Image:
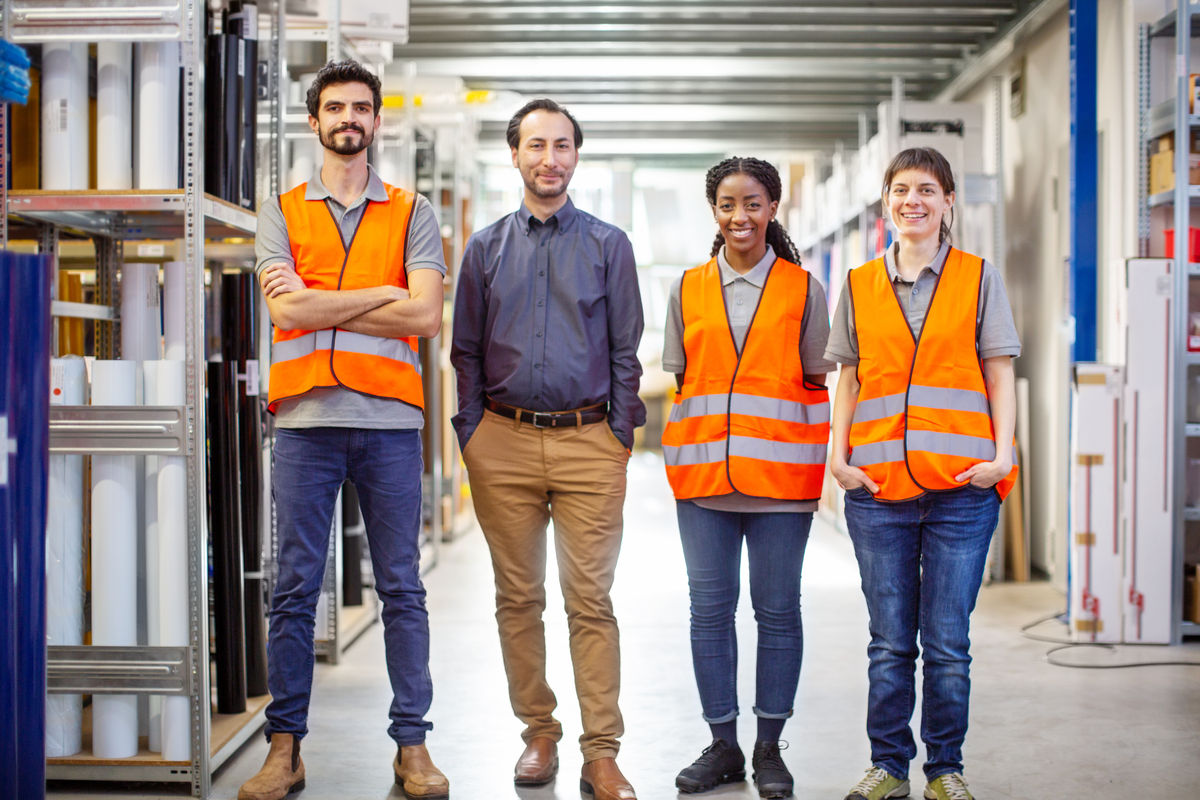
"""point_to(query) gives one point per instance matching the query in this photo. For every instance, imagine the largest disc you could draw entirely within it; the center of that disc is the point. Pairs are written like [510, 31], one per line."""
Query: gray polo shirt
[335, 406]
[997, 334]
[742, 293]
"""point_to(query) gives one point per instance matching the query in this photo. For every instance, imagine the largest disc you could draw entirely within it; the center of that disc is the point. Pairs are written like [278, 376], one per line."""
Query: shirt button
[739, 301]
[541, 272]
[539, 334]
[537, 366]
[541, 303]
[915, 290]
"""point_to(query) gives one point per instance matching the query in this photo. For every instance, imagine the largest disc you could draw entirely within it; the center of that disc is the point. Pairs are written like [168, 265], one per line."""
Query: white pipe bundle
[174, 310]
[64, 144]
[64, 560]
[114, 563]
[114, 109]
[173, 564]
[158, 115]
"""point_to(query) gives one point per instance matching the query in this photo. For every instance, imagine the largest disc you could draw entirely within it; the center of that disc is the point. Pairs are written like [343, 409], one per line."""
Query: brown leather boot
[281, 774]
[604, 781]
[417, 776]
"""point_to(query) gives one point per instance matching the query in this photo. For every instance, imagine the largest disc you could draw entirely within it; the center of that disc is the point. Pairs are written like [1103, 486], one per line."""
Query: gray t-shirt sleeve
[271, 239]
[997, 332]
[815, 335]
[674, 360]
[843, 341]
[424, 247]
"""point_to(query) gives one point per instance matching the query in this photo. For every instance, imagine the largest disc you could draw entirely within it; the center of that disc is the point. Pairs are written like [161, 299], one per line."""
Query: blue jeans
[712, 550]
[921, 563]
[309, 467]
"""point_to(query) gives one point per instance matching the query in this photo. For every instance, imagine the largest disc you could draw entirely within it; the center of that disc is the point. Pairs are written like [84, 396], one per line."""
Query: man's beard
[538, 191]
[347, 147]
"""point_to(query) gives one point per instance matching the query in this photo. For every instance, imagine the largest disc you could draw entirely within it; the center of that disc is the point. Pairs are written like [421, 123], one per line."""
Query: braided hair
[768, 176]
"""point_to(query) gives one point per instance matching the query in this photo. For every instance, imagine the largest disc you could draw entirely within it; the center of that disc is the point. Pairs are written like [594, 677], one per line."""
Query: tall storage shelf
[109, 219]
[1168, 51]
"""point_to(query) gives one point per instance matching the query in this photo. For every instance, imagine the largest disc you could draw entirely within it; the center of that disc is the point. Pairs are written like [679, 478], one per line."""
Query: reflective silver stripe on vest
[879, 408]
[702, 405]
[347, 342]
[948, 399]
[952, 444]
[877, 453]
[778, 452]
[750, 405]
[783, 410]
[689, 454]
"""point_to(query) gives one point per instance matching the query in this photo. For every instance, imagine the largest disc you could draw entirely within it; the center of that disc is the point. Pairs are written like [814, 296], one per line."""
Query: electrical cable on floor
[1066, 644]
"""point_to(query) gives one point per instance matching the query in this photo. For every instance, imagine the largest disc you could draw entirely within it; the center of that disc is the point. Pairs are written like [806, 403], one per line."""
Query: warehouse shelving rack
[110, 219]
[1173, 115]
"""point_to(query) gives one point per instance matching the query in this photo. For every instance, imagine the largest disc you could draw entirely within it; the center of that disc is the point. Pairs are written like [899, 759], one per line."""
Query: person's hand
[986, 474]
[399, 293]
[14, 73]
[280, 279]
[849, 477]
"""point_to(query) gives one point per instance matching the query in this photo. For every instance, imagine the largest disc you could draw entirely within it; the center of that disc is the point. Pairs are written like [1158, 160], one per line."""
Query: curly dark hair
[928, 160]
[513, 134]
[344, 71]
[768, 176]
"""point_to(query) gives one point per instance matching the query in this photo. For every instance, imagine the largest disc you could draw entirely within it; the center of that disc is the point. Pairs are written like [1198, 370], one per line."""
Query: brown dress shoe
[538, 764]
[281, 774]
[417, 776]
[604, 781]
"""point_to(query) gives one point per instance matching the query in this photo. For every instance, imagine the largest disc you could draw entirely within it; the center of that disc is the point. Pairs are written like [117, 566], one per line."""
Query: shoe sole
[892, 796]
[769, 793]
[400, 783]
[539, 781]
[693, 787]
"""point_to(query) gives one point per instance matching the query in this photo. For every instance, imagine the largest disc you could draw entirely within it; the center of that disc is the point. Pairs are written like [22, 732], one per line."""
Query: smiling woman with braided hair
[745, 454]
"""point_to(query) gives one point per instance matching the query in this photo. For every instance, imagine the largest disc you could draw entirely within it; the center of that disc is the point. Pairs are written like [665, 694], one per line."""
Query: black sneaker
[771, 775]
[719, 763]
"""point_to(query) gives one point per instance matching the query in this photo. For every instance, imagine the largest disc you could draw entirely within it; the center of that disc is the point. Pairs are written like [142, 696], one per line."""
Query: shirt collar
[564, 217]
[934, 266]
[376, 192]
[757, 276]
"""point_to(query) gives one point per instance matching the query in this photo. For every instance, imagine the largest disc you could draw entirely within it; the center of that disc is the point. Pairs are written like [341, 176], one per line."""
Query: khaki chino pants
[521, 477]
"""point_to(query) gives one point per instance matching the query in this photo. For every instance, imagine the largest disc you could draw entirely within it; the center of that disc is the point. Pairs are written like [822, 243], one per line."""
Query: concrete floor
[1037, 730]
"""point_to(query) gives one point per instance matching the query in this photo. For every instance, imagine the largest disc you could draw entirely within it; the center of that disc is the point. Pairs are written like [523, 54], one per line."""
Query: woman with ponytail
[923, 445]
[745, 452]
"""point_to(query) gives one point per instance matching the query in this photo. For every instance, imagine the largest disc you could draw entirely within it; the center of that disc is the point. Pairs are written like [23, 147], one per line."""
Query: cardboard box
[1162, 170]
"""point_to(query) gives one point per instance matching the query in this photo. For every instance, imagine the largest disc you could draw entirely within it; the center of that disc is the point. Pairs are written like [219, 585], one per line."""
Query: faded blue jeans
[921, 563]
[309, 467]
[712, 550]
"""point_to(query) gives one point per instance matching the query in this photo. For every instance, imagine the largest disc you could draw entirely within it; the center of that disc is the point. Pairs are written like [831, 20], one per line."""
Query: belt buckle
[547, 415]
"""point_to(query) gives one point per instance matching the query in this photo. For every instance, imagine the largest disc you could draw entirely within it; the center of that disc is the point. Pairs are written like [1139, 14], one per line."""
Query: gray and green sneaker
[950, 786]
[879, 784]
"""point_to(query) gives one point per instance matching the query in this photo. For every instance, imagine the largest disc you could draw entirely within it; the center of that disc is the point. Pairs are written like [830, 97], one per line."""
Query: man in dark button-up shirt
[547, 319]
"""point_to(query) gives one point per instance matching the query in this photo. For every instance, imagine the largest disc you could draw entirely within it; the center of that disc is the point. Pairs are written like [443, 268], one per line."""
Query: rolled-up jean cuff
[758, 712]
[730, 717]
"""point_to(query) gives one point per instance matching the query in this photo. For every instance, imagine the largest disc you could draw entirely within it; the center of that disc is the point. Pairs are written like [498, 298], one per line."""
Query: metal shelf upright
[110, 218]
[1173, 114]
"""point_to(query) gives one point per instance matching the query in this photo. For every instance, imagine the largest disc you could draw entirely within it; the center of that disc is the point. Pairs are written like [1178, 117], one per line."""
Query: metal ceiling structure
[699, 77]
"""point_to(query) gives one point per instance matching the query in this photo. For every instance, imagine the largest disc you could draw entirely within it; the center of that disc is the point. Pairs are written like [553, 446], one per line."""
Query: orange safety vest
[923, 414]
[746, 422]
[302, 360]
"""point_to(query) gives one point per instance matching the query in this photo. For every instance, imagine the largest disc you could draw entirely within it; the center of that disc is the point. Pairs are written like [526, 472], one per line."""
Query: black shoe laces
[713, 753]
[766, 755]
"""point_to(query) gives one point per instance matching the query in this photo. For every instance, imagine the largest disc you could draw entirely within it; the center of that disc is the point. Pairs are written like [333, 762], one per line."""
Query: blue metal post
[1084, 177]
[8, 650]
[30, 338]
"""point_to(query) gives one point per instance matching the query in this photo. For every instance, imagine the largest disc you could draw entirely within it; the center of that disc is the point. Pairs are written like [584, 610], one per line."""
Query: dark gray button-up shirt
[547, 317]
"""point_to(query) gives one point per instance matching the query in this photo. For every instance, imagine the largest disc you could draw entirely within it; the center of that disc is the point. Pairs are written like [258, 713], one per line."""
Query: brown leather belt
[550, 419]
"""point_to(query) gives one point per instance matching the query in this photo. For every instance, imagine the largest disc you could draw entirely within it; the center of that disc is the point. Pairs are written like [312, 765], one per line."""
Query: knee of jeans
[778, 621]
[942, 649]
[295, 603]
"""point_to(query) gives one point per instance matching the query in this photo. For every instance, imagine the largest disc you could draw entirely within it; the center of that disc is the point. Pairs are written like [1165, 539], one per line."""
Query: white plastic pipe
[173, 564]
[64, 144]
[114, 563]
[114, 110]
[174, 311]
[157, 115]
[64, 560]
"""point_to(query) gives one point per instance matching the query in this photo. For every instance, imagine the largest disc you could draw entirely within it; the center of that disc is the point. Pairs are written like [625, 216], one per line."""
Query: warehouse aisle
[1037, 731]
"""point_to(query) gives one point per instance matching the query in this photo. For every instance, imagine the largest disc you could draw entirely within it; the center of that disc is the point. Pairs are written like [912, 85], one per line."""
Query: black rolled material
[224, 504]
[352, 547]
[214, 108]
[239, 345]
[248, 140]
